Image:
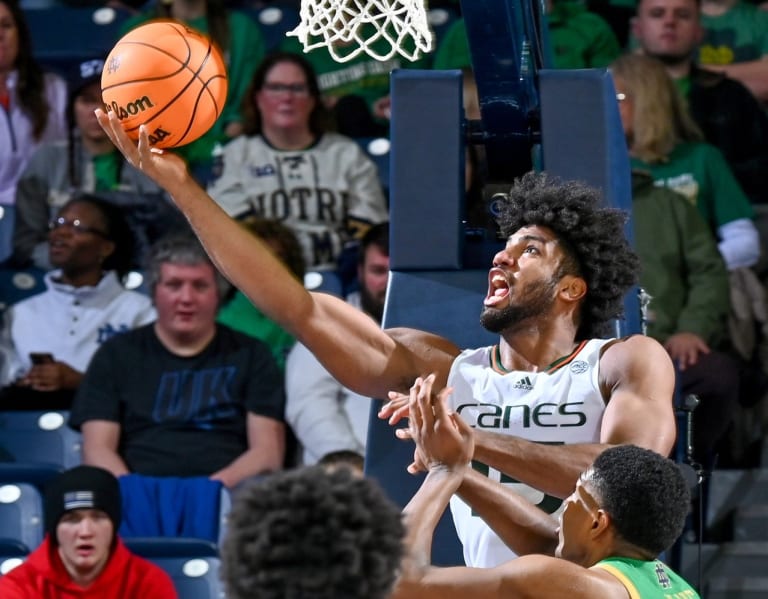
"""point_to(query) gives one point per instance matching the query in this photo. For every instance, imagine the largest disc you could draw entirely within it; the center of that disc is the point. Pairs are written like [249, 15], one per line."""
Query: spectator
[326, 416]
[684, 274]
[241, 315]
[663, 139]
[287, 167]
[51, 337]
[242, 46]
[727, 113]
[183, 396]
[579, 39]
[32, 103]
[85, 162]
[82, 557]
[736, 43]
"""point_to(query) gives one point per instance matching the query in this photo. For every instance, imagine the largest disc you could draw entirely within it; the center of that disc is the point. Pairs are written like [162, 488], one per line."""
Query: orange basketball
[166, 76]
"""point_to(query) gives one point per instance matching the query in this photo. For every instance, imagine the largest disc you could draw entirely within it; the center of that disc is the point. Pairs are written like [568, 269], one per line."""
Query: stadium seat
[275, 21]
[19, 284]
[40, 436]
[377, 149]
[37, 474]
[21, 514]
[12, 553]
[97, 30]
[193, 577]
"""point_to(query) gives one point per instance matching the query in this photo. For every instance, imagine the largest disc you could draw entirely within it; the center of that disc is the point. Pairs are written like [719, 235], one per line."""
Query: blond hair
[661, 120]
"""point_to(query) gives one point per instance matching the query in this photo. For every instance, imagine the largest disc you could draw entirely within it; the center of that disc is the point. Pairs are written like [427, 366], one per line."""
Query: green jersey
[700, 173]
[738, 35]
[647, 580]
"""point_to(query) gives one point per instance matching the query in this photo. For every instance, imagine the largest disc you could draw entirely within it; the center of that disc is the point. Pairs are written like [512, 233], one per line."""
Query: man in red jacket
[82, 557]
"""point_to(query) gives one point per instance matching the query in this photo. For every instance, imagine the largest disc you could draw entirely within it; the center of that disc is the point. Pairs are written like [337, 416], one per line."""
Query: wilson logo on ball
[168, 77]
[132, 108]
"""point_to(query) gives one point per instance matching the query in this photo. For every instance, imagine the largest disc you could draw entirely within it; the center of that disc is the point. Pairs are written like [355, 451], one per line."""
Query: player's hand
[395, 409]
[684, 349]
[165, 168]
[443, 439]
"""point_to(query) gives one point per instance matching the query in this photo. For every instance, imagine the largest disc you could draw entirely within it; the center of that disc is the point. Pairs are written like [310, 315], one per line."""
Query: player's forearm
[553, 469]
[241, 256]
[422, 514]
[523, 527]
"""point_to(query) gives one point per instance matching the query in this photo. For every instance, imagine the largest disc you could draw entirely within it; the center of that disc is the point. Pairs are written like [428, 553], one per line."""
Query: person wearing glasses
[85, 161]
[48, 339]
[287, 165]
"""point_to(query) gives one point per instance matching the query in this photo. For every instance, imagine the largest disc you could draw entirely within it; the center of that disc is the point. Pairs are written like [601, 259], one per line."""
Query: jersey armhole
[622, 578]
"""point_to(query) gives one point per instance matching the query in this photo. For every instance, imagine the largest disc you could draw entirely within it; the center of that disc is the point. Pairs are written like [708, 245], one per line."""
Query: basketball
[166, 76]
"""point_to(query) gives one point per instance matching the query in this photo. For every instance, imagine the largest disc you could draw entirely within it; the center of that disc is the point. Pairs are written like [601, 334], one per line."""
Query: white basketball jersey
[560, 405]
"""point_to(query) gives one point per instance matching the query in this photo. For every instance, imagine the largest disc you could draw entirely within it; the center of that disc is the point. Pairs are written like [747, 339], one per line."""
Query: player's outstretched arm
[346, 341]
[637, 379]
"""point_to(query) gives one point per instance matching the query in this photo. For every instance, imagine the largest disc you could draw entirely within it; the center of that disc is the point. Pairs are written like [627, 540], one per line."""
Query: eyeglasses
[76, 226]
[297, 89]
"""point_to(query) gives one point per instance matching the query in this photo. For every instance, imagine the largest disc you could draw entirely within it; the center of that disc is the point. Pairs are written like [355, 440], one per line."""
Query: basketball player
[557, 283]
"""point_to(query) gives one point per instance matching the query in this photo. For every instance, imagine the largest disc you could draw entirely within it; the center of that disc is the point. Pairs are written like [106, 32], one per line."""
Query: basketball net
[380, 28]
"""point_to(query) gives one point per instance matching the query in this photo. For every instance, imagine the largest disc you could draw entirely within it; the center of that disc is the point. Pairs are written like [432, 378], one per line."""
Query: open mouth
[498, 287]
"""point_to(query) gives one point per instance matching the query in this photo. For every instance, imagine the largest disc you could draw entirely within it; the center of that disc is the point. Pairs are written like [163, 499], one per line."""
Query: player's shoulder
[632, 353]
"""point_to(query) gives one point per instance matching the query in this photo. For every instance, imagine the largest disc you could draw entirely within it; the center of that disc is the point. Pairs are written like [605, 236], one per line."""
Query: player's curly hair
[645, 494]
[592, 235]
[312, 533]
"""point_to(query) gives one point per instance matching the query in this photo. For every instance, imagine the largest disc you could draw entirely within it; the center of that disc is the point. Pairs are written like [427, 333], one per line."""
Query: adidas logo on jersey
[523, 383]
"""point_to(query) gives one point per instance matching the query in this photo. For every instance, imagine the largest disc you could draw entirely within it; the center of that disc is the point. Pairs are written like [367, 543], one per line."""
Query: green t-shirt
[106, 170]
[579, 39]
[240, 314]
[649, 580]
[246, 51]
[739, 35]
[700, 173]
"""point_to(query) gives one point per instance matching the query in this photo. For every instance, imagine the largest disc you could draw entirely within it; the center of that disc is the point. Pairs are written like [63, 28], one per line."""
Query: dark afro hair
[645, 494]
[592, 234]
[312, 533]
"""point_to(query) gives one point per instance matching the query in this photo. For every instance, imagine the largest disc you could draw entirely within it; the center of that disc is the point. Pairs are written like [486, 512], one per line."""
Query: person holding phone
[48, 339]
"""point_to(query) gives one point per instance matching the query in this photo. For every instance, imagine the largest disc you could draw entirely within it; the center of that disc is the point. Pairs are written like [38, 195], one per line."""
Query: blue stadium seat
[37, 474]
[65, 36]
[21, 514]
[193, 577]
[275, 21]
[19, 284]
[12, 554]
[40, 436]
[377, 149]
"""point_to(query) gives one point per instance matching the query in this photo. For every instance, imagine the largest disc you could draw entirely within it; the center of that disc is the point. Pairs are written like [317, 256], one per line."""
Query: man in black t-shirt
[183, 396]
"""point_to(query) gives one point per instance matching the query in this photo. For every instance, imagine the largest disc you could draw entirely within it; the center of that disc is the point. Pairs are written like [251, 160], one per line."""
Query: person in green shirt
[579, 39]
[663, 140]
[243, 47]
[736, 43]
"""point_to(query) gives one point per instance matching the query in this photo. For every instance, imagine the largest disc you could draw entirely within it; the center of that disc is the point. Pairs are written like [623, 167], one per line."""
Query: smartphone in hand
[41, 358]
